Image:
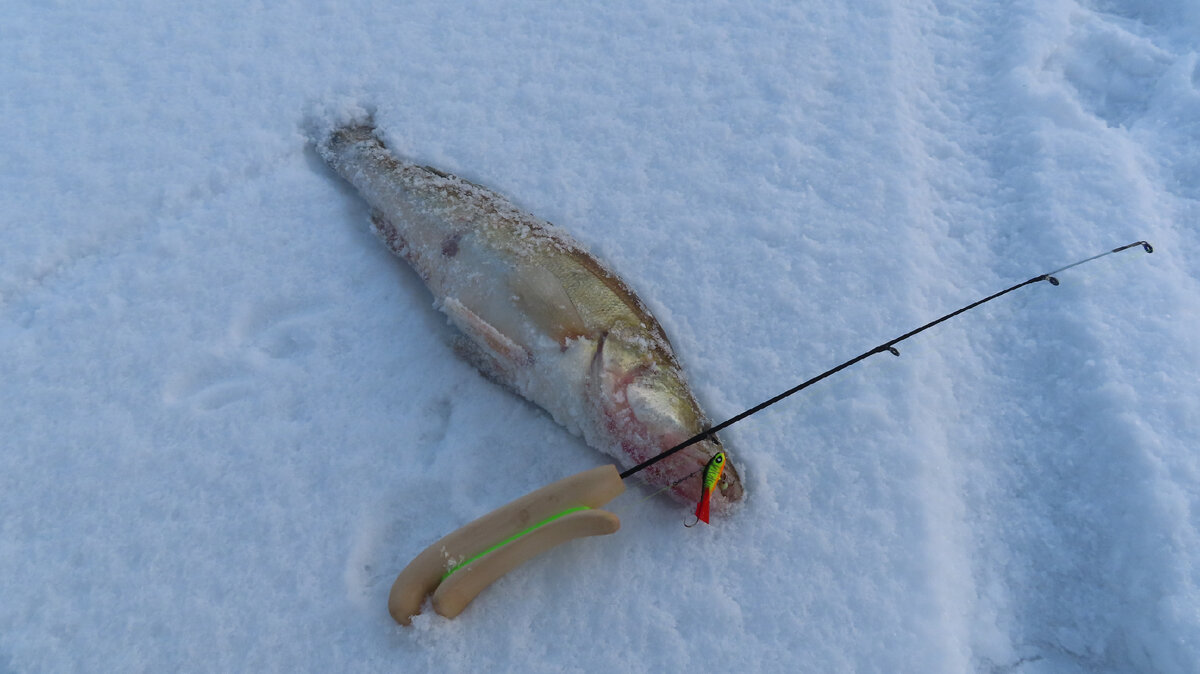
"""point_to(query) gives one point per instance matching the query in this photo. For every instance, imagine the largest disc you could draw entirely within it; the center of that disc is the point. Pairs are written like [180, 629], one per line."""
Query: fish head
[648, 408]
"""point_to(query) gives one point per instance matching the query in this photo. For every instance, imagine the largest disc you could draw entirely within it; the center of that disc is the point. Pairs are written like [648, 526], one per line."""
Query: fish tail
[346, 149]
[337, 139]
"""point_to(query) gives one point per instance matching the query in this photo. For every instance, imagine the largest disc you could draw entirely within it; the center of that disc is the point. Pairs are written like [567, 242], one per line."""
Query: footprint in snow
[261, 337]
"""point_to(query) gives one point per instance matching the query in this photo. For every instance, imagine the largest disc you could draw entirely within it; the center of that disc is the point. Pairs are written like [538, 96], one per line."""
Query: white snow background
[228, 416]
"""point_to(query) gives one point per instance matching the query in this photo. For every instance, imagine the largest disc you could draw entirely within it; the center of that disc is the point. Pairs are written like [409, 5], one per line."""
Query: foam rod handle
[591, 489]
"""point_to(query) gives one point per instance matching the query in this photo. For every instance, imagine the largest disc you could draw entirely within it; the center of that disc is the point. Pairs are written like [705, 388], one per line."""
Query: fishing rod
[889, 347]
[460, 565]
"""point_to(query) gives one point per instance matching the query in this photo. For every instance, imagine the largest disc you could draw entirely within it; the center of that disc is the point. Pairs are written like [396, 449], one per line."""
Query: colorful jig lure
[712, 475]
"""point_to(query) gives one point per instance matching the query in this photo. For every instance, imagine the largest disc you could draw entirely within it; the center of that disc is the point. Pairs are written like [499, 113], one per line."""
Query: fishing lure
[712, 475]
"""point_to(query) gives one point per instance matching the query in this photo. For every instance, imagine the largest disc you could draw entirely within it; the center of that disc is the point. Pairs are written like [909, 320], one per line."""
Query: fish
[538, 314]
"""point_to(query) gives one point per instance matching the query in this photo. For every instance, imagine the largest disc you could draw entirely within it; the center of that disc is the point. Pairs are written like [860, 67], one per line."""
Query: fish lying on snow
[539, 313]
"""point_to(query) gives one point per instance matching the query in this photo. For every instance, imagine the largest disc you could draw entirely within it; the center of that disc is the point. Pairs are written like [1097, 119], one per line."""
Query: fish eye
[719, 458]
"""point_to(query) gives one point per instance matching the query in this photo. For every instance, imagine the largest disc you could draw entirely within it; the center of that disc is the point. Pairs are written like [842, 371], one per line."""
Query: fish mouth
[685, 473]
[730, 486]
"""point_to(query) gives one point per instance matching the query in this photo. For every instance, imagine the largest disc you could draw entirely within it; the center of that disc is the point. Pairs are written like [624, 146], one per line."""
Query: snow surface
[229, 416]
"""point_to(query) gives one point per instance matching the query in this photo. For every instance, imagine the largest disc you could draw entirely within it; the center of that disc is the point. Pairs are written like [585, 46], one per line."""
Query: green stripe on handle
[512, 538]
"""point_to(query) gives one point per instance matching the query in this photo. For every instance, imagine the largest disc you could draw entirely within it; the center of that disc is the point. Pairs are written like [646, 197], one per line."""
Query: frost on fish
[537, 312]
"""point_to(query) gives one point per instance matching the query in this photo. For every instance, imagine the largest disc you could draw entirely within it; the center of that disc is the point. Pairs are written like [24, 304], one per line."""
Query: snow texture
[228, 416]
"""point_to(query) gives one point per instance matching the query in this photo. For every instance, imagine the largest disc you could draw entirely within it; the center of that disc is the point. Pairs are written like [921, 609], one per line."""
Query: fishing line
[676, 482]
[889, 347]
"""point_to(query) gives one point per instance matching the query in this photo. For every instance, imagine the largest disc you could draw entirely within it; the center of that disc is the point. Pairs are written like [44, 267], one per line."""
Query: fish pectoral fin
[507, 353]
[542, 297]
